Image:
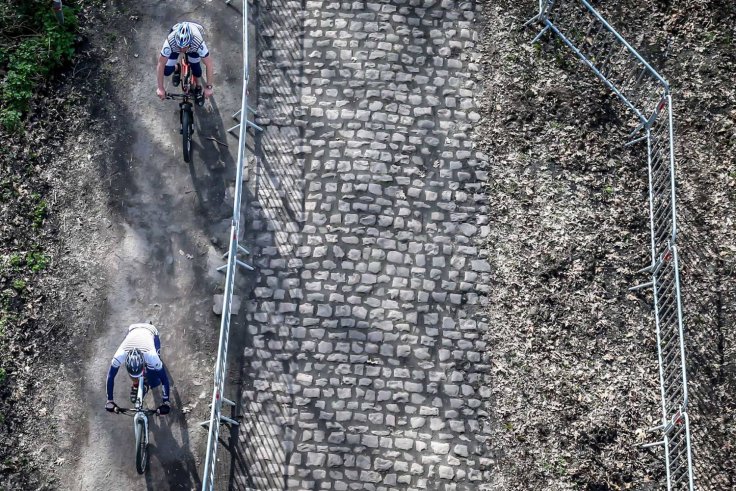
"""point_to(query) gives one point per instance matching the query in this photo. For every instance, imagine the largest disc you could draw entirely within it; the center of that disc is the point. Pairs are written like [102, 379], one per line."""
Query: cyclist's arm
[111, 381]
[157, 368]
[117, 360]
[210, 70]
[164, 383]
[160, 71]
[159, 371]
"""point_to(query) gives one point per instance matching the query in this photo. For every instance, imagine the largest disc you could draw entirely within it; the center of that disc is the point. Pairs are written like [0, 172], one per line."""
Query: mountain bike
[140, 425]
[190, 90]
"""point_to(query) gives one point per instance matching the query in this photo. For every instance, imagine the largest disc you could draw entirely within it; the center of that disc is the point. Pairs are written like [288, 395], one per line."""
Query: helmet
[135, 363]
[182, 35]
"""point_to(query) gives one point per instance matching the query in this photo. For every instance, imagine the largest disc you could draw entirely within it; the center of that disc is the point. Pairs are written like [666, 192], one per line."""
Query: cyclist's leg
[152, 381]
[171, 64]
[194, 64]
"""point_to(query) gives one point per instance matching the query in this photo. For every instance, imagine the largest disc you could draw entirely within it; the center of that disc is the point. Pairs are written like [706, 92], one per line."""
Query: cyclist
[184, 37]
[139, 351]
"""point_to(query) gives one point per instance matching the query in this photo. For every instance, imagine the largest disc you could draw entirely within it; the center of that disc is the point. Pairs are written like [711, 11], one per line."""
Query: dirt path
[168, 218]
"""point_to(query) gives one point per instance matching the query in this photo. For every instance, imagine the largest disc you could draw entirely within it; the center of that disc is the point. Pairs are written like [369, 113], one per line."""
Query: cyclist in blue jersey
[186, 38]
[139, 351]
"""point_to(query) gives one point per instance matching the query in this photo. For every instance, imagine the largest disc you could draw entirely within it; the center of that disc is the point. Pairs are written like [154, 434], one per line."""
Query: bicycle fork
[138, 417]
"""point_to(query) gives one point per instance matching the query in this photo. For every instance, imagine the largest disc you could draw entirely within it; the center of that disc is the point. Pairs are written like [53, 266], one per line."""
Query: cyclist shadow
[212, 163]
[176, 464]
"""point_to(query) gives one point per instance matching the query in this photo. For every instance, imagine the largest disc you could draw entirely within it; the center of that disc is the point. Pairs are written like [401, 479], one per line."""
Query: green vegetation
[39, 211]
[33, 46]
[37, 261]
[16, 260]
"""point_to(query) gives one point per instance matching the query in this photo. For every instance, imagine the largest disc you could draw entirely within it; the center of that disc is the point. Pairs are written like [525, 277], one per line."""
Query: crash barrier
[645, 93]
[218, 399]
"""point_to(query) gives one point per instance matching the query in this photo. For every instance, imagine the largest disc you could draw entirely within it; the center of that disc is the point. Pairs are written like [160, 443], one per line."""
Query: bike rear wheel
[141, 447]
[186, 134]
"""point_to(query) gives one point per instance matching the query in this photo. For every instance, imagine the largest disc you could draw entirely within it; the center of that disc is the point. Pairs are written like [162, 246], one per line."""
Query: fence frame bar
[664, 267]
[218, 399]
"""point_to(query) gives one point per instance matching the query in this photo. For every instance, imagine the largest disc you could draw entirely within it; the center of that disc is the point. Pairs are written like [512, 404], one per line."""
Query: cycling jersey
[197, 46]
[145, 338]
[139, 336]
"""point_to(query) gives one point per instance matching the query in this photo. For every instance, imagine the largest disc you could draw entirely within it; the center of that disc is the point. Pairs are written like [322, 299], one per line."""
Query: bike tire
[141, 447]
[186, 134]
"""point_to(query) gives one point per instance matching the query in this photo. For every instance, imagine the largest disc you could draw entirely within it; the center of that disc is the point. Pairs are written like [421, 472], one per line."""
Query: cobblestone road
[364, 365]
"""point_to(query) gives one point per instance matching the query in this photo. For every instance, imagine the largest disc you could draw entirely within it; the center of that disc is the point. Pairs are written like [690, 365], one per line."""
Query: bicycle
[190, 90]
[140, 425]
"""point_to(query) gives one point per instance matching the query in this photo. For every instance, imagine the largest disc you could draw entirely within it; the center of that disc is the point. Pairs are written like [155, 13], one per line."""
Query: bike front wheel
[186, 134]
[141, 447]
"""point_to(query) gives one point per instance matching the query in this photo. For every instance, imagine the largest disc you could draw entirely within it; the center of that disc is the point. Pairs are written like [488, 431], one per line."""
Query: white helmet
[182, 35]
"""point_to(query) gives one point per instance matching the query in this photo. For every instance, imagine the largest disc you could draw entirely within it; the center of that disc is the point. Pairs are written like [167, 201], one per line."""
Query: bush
[33, 58]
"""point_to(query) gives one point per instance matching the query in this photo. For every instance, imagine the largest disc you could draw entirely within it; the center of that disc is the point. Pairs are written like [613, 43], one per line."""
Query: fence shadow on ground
[708, 290]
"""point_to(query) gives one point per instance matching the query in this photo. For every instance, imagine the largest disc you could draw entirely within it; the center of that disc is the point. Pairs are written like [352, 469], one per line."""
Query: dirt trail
[161, 265]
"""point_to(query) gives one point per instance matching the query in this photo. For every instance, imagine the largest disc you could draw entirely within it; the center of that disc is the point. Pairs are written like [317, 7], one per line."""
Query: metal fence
[622, 69]
[218, 399]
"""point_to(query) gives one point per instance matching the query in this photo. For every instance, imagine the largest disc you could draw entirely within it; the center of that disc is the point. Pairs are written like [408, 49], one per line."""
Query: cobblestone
[363, 354]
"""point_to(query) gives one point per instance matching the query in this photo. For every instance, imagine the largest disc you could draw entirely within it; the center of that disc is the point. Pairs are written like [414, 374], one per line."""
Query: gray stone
[440, 448]
[404, 443]
[446, 472]
[316, 459]
[461, 450]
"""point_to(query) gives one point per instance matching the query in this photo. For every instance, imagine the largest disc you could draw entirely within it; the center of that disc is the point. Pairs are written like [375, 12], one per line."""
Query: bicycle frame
[188, 80]
[186, 114]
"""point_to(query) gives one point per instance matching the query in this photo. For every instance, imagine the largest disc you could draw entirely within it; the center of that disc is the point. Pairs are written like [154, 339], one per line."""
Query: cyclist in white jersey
[139, 352]
[187, 38]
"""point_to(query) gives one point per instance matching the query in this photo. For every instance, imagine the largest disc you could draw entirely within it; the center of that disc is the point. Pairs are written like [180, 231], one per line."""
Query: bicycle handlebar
[170, 95]
[126, 410]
